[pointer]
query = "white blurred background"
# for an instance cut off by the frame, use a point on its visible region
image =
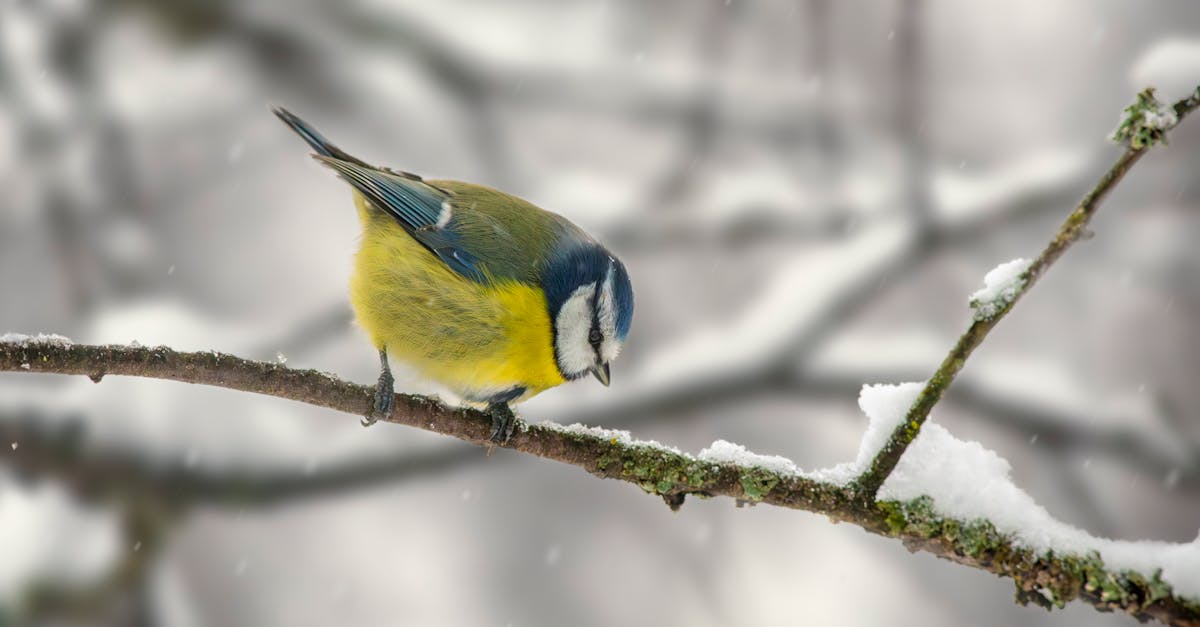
(805, 192)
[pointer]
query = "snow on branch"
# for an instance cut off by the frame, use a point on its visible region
(1144, 125)
(1000, 287)
(1145, 579)
(952, 498)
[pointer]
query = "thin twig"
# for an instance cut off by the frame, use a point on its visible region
(1070, 232)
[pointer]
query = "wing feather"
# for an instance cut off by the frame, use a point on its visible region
(424, 211)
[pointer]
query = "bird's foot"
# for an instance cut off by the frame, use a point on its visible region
(504, 421)
(384, 396)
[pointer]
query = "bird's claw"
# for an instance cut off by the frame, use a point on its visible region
(384, 396)
(504, 422)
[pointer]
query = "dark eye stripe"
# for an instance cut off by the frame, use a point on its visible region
(594, 336)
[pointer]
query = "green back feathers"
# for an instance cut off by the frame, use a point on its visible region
(481, 233)
(515, 237)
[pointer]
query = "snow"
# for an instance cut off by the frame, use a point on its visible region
(616, 436)
(722, 452)
(969, 482)
(885, 407)
(1171, 66)
(1000, 286)
(40, 338)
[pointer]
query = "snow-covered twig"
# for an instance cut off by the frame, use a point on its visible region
(1071, 230)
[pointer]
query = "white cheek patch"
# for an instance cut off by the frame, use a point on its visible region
(571, 328)
(606, 314)
(609, 349)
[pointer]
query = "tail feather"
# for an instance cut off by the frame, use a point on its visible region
(314, 139)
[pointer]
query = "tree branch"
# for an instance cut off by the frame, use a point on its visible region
(1140, 135)
(657, 470)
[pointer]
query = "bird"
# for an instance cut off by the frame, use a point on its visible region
(475, 289)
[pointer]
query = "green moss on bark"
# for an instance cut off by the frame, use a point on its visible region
(1145, 122)
(757, 483)
(1046, 579)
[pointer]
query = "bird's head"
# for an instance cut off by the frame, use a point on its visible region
(590, 300)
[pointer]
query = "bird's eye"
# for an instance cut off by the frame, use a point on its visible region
(594, 337)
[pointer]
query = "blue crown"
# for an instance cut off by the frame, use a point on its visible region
(588, 263)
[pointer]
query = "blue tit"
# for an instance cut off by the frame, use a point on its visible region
(476, 289)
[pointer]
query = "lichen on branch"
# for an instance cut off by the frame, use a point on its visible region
(1145, 122)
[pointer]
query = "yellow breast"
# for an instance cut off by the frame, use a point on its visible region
(476, 339)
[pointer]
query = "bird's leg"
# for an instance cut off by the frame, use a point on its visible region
(503, 422)
(384, 393)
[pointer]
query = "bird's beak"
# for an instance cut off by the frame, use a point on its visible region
(601, 373)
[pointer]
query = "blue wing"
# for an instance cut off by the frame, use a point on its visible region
(422, 209)
(315, 140)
